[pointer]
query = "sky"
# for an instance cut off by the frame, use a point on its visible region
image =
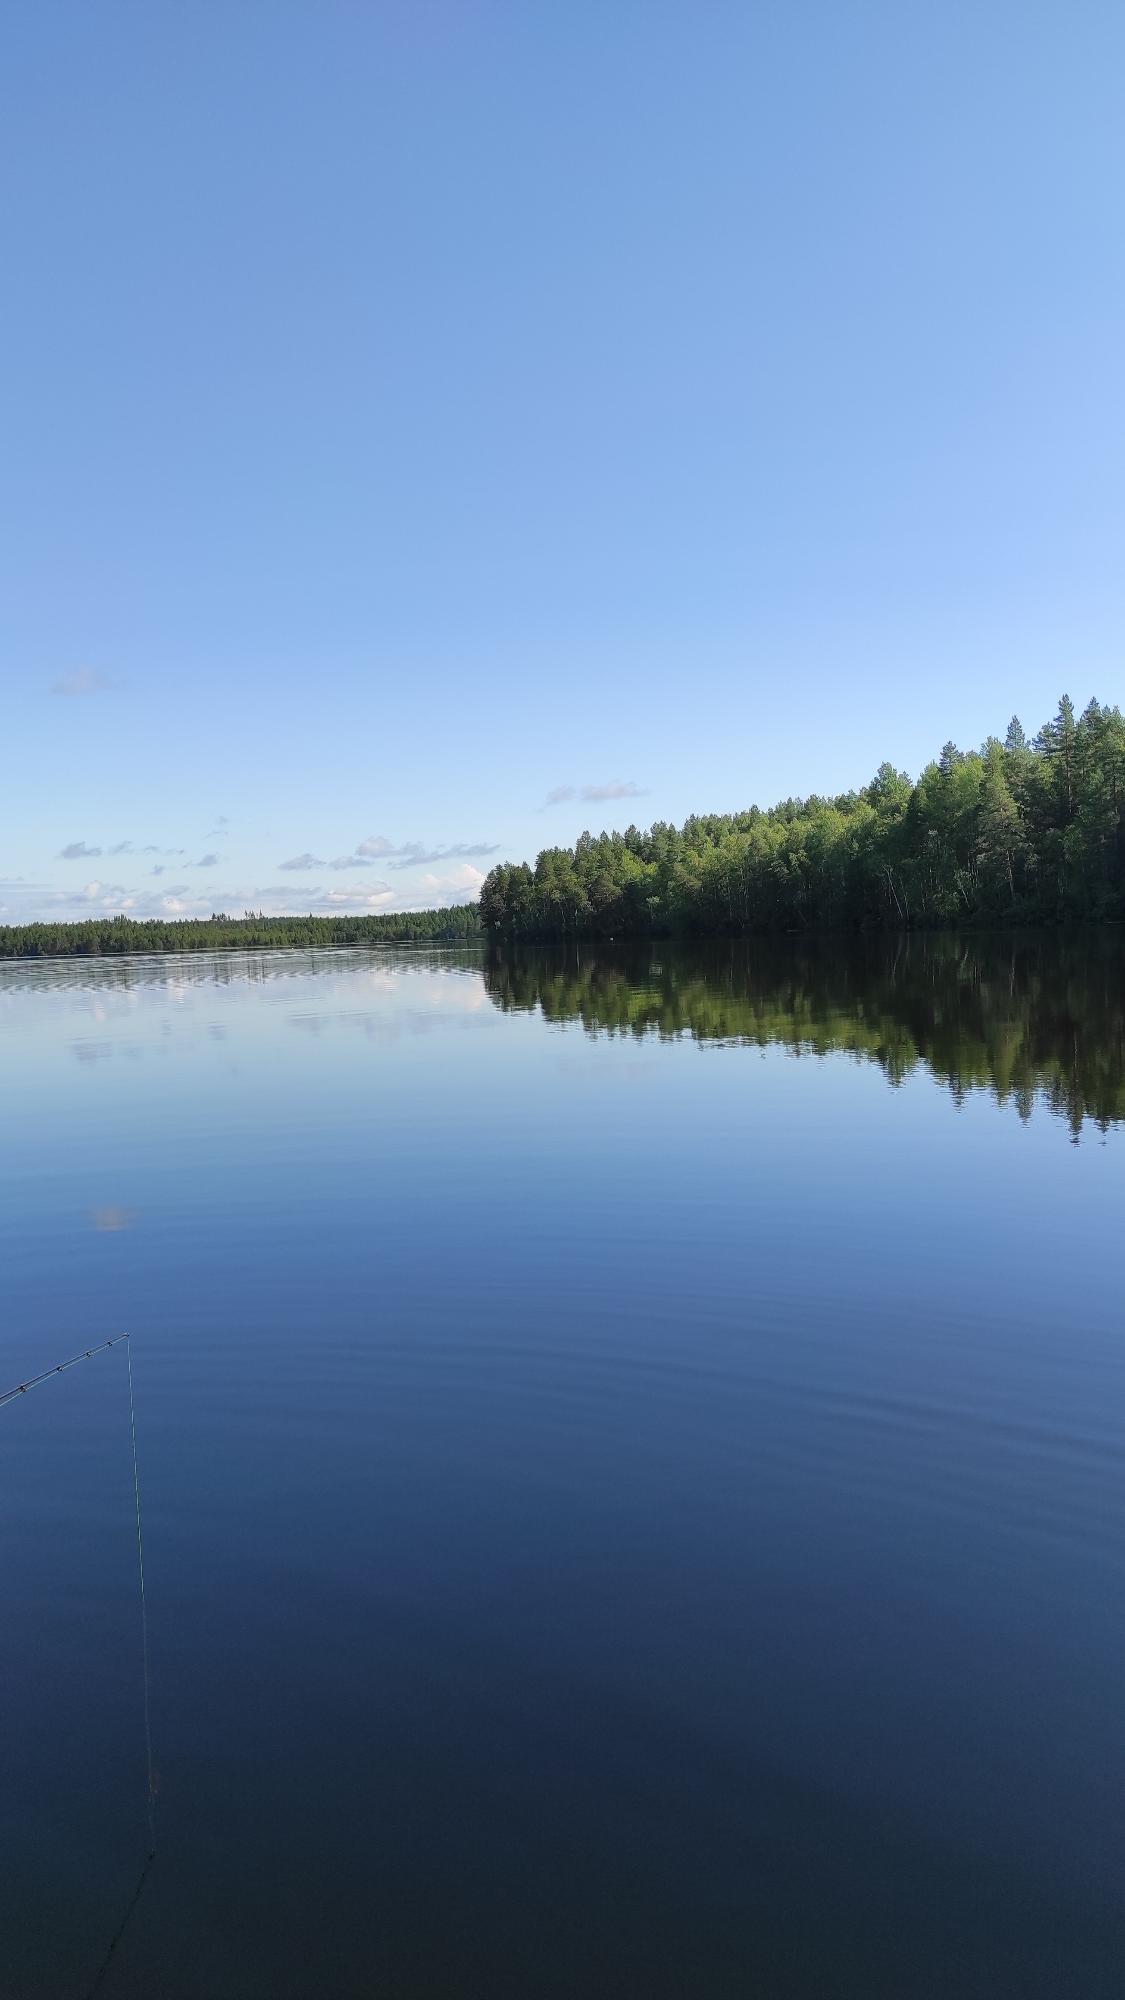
(432, 428)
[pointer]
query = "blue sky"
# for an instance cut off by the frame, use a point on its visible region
(416, 413)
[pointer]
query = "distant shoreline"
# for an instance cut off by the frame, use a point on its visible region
(190, 937)
(119, 937)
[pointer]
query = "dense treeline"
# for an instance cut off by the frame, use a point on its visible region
(1023, 832)
(1027, 1017)
(114, 935)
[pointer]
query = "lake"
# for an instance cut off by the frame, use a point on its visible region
(632, 1462)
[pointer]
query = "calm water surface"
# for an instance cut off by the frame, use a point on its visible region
(633, 1467)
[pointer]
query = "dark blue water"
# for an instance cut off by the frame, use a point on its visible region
(633, 1468)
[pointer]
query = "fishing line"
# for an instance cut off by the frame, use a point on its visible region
(119, 1933)
(21, 1389)
(144, 1609)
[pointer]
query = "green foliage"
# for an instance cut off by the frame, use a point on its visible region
(112, 935)
(1014, 833)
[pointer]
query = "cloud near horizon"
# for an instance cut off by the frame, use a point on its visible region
(423, 881)
(364, 897)
(106, 895)
(24, 902)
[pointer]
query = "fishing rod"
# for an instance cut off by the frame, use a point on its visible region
(21, 1388)
(33, 1382)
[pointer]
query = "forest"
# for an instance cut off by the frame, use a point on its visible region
(113, 935)
(1021, 831)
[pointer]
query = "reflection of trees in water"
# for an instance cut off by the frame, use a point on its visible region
(1031, 1019)
(1037, 1017)
(222, 968)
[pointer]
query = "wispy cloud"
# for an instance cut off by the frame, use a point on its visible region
(374, 848)
(81, 850)
(617, 788)
(84, 680)
(404, 854)
(614, 790)
(206, 861)
(414, 855)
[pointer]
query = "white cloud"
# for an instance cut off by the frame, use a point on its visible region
(354, 901)
(79, 851)
(105, 895)
(462, 885)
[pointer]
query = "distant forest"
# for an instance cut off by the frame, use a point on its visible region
(112, 935)
(1022, 831)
